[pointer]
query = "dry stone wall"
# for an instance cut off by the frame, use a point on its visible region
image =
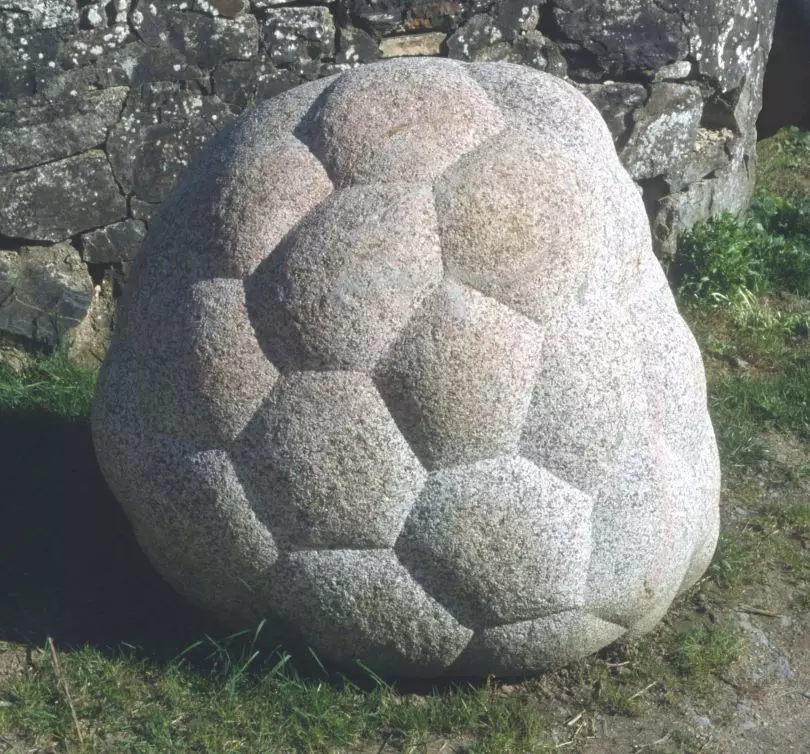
(104, 104)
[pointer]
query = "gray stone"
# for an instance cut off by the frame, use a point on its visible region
(498, 542)
(21, 17)
(664, 132)
(356, 46)
(90, 339)
(474, 37)
(674, 72)
(114, 243)
(725, 191)
(55, 201)
(159, 133)
(244, 83)
(616, 102)
(613, 39)
(141, 210)
(225, 8)
(382, 16)
(735, 49)
(412, 44)
(299, 38)
(397, 366)
(206, 42)
(58, 129)
(44, 292)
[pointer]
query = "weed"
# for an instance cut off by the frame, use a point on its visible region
(699, 651)
(783, 163)
(51, 384)
(767, 250)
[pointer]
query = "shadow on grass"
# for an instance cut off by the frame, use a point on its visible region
(70, 566)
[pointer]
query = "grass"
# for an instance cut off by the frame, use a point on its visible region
(744, 287)
(783, 164)
(51, 384)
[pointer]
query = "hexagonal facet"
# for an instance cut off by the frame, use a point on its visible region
(499, 541)
(571, 427)
(546, 106)
(522, 223)
(644, 533)
(459, 378)
(432, 113)
(345, 281)
(325, 465)
(534, 646)
(344, 600)
(206, 336)
(197, 528)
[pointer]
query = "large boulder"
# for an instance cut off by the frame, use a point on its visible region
(398, 368)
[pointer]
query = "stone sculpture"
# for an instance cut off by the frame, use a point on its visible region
(397, 366)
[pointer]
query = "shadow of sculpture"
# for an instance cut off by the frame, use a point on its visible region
(70, 566)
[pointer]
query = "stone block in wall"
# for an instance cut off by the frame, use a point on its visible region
(160, 131)
(204, 41)
(474, 38)
(380, 16)
(300, 38)
(664, 130)
(616, 101)
(55, 201)
(141, 210)
(225, 8)
(241, 83)
(20, 55)
(44, 292)
(32, 133)
(22, 17)
(616, 39)
(404, 45)
(356, 46)
(724, 38)
(114, 243)
(725, 190)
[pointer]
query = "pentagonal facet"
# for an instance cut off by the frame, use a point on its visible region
(365, 604)
(343, 283)
(499, 541)
(325, 465)
(458, 379)
(362, 138)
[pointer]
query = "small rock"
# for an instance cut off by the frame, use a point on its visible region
(44, 292)
(412, 44)
(680, 70)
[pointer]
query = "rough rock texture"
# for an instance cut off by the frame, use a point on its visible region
(129, 90)
(43, 292)
(397, 367)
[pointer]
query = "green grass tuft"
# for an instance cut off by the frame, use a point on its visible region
(51, 384)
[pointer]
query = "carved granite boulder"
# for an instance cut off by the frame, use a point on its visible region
(397, 367)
